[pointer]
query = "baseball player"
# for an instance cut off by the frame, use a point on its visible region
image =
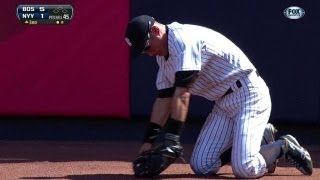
(195, 60)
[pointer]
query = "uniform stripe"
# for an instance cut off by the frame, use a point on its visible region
(211, 143)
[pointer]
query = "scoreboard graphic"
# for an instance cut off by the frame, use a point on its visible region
(45, 14)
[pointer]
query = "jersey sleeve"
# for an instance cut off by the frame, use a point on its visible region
(190, 58)
(184, 47)
(162, 81)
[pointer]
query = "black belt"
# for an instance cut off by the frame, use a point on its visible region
(239, 85)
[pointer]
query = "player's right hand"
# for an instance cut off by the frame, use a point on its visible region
(145, 147)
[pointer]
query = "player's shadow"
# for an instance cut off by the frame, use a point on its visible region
(127, 177)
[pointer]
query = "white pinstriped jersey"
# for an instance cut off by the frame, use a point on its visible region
(219, 61)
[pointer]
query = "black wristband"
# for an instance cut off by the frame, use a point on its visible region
(174, 126)
(174, 130)
(152, 133)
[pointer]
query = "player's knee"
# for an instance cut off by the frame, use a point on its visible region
(204, 168)
(246, 170)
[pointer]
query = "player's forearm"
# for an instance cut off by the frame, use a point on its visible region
(159, 115)
(180, 104)
(160, 111)
(162, 108)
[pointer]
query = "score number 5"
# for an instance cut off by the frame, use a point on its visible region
(42, 9)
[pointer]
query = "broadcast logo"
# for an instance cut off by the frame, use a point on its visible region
(294, 12)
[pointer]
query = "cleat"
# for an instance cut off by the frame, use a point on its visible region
(297, 155)
(269, 134)
(268, 138)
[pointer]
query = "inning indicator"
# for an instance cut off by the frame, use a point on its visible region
(44, 14)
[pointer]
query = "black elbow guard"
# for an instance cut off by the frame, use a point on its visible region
(185, 78)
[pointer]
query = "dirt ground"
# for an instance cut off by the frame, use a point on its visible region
(106, 160)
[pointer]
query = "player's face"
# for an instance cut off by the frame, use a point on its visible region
(153, 46)
(147, 45)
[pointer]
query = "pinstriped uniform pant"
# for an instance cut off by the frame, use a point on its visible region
(237, 120)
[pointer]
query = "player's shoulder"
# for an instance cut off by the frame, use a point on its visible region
(176, 26)
(187, 29)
